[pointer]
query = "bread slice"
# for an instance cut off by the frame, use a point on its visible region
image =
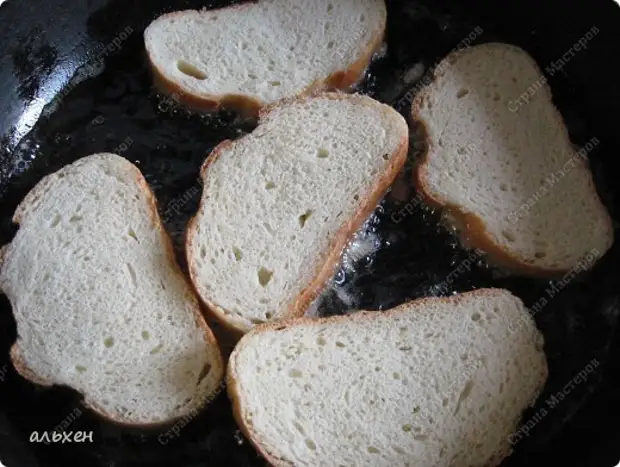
(100, 303)
(506, 169)
(254, 54)
(279, 204)
(434, 382)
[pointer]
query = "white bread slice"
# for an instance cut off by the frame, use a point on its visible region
(497, 166)
(254, 54)
(279, 204)
(100, 303)
(432, 383)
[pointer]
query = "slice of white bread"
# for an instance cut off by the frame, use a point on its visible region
(279, 204)
(505, 169)
(254, 54)
(432, 383)
(100, 302)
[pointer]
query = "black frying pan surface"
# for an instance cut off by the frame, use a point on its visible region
(112, 107)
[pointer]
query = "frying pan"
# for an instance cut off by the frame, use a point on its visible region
(74, 81)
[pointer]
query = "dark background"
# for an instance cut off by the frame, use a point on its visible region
(42, 44)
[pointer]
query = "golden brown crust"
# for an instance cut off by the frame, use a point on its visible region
(471, 227)
(250, 107)
(365, 209)
(218, 365)
(245, 105)
(331, 258)
(346, 79)
(231, 379)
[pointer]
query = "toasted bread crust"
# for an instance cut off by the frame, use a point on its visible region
(472, 228)
(342, 80)
(331, 257)
(16, 357)
(234, 390)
